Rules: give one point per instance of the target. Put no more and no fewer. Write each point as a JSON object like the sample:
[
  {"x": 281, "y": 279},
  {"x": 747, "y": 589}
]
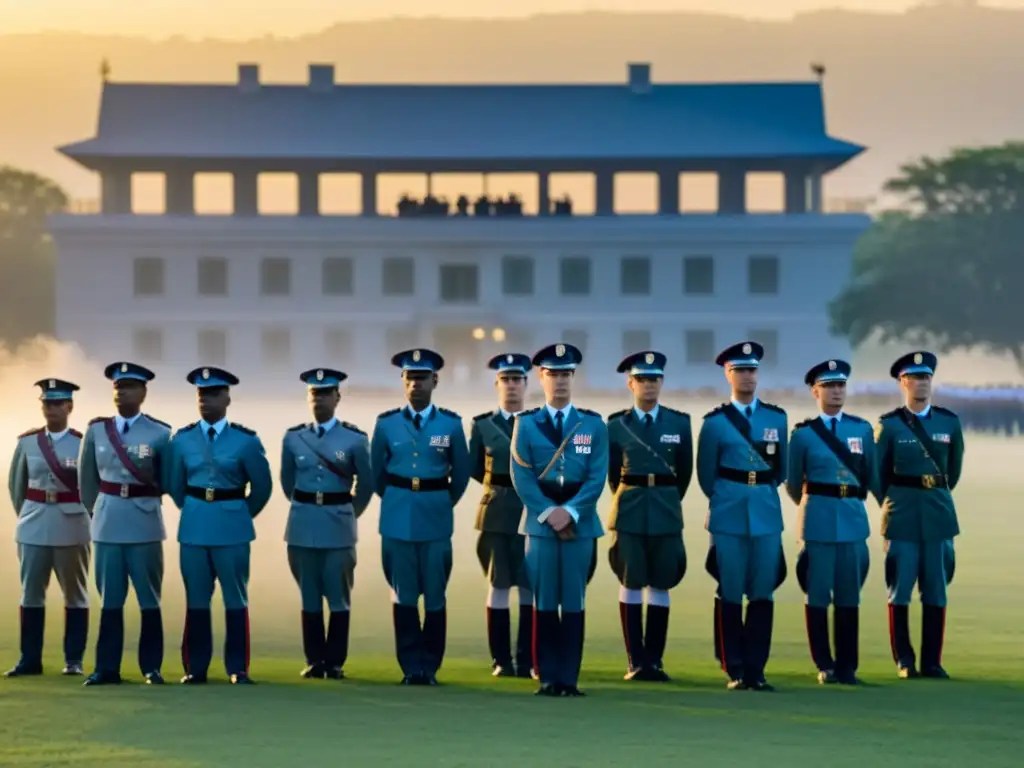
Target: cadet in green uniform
[
  {"x": 501, "y": 548},
  {"x": 921, "y": 453},
  {"x": 741, "y": 451},
  {"x": 420, "y": 464},
  {"x": 212, "y": 463},
  {"x": 322, "y": 463},
  {"x": 832, "y": 469},
  {"x": 650, "y": 465},
  {"x": 559, "y": 468},
  {"x": 52, "y": 530}
]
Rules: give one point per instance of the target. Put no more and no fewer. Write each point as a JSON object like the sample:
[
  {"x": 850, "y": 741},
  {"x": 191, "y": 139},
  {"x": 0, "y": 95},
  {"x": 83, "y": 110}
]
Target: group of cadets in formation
[{"x": 542, "y": 471}]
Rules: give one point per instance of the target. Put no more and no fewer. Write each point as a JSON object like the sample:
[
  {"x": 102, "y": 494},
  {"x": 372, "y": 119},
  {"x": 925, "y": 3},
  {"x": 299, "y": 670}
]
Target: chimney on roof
[
  {"x": 640, "y": 78},
  {"x": 249, "y": 77},
  {"x": 321, "y": 77}
]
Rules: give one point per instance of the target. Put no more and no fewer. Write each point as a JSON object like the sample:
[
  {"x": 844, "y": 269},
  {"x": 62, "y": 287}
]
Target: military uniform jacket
[
  {"x": 742, "y": 508},
  {"x": 919, "y": 513},
  {"x": 436, "y": 450},
  {"x": 490, "y": 453},
  {"x": 234, "y": 459},
  {"x": 663, "y": 450},
  {"x": 813, "y": 459},
  {"x": 338, "y": 462},
  {"x": 39, "y": 523},
  {"x": 541, "y": 464},
  {"x": 116, "y": 519}
]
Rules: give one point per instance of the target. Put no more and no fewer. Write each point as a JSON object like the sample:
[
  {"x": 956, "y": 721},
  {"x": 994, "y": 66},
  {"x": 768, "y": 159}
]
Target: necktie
[
  {"x": 127, "y": 426},
  {"x": 320, "y": 431},
  {"x": 749, "y": 411},
  {"x": 211, "y": 433},
  {"x": 558, "y": 424},
  {"x": 648, "y": 420},
  {"x": 834, "y": 420},
  {"x": 511, "y": 420},
  {"x": 417, "y": 420}
]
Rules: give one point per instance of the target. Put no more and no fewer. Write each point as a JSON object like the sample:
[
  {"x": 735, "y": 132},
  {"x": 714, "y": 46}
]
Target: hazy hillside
[{"x": 903, "y": 85}]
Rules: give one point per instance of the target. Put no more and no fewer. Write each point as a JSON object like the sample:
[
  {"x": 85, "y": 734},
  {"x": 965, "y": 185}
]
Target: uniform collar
[
  {"x": 426, "y": 413},
  {"x": 923, "y": 414},
  {"x": 55, "y": 436},
  {"x": 552, "y": 411},
  {"x": 507, "y": 414},
  {"x": 218, "y": 427},
  {"x": 826, "y": 418},
  {"x": 743, "y": 408},
  {"x": 120, "y": 421},
  {"x": 653, "y": 412},
  {"x": 327, "y": 425}
]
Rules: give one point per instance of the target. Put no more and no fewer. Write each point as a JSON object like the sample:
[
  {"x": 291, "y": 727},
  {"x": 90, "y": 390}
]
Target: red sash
[
  {"x": 66, "y": 475},
  {"x": 122, "y": 454}
]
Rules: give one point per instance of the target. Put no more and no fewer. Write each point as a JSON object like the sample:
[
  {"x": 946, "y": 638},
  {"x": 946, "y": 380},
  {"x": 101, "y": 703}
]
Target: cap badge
[
  {"x": 319, "y": 375},
  {"x": 831, "y": 365},
  {"x": 560, "y": 350},
  {"x": 510, "y": 359},
  {"x": 206, "y": 373},
  {"x": 918, "y": 358},
  {"x": 747, "y": 349},
  {"x": 649, "y": 358},
  {"x": 416, "y": 356},
  {"x": 124, "y": 367},
  {"x": 53, "y": 383}
]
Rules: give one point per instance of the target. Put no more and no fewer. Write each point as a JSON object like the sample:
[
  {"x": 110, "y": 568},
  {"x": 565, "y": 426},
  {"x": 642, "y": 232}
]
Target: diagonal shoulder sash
[
  {"x": 115, "y": 442},
  {"x": 68, "y": 477},
  {"x": 914, "y": 425},
  {"x": 643, "y": 444},
  {"x": 330, "y": 465},
  {"x": 742, "y": 425},
  {"x": 560, "y": 450},
  {"x": 840, "y": 449}
]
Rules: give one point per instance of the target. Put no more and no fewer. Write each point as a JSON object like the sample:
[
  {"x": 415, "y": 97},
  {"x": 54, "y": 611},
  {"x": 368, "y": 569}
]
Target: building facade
[{"x": 274, "y": 294}]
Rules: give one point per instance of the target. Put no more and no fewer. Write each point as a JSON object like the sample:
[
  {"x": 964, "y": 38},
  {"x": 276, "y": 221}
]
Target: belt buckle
[
  {"x": 124, "y": 492},
  {"x": 928, "y": 481},
  {"x": 51, "y": 497},
  {"x": 650, "y": 481},
  {"x": 210, "y": 493},
  {"x": 752, "y": 478},
  {"x": 843, "y": 489},
  {"x": 415, "y": 483},
  {"x": 319, "y": 498}
]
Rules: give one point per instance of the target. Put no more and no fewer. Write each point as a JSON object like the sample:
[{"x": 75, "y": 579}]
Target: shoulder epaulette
[
  {"x": 30, "y": 432},
  {"x": 158, "y": 421},
  {"x": 855, "y": 419},
  {"x": 772, "y": 407},
  {"x": 889, "y": 414},
  {"x": 714, "y": 411},
  {"x": 945, "y": 411},
  {"x": 448, "y": 412},
  {"x": 589, "y": 412},
  {"x": 618, "y": 414},
  {"x": 527, "y": 413},
  {"x": 99, "y": 420},
  {"x": 297, "y": 427},
  {"x": 75, "y": 432},
  {"x": 391, "y": 412},
  {"x": 804, "y": 423},
  {"x": 242, "y": 428},
  {"x": 481, "y": 416},
  {"x": 673, "y": 410},
  {"x": 353, "y": 427},
  {"x": 187, "y": 427}
]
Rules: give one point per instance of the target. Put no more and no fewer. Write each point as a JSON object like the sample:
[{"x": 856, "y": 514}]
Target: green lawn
[{"x": 472, "y": 720}]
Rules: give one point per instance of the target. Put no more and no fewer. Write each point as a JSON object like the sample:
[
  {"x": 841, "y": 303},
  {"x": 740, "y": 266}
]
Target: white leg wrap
[
  {"x": 657, "y": 597},
  {"x": 631, "y": 596},
  {"x": 497, "y": 598}
]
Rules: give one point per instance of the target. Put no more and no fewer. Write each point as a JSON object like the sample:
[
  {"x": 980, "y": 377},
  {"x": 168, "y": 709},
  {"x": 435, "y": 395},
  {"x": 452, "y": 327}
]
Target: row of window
[
  {"x": 459, "y": 283},
  {"x": 699, "y": 345}
]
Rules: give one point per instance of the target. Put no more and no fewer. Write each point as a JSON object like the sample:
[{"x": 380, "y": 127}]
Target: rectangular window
[
  {"x": 276, "y": 344},
  {"x": 212, "y": 347},
  {"x": 275, "y": 276},
  {"x": 636, "y": 340},
  {"x": 148, "y": 276},
  {"x": 338, "y": 346},
  {"x": 460, "y": 283},
  {"x": 699, "y": 275},
  {"x": 700, "y": 347},
  {"x": 763, "y": 275},
  {"x": 401, "y": 338},
  {"x": 769, "y": 339},
  {"x": 517, "y": 276},
  {"x": 635, "y": 276},
  {"x": 398, "y": 276},
  {"x": 578, "y": 338},
  {"x": 148, "y": 344},
  {"x": 337, "y": 276},
  {"x": 212, "y": 276},
  {"x": 574, "y": 276}
]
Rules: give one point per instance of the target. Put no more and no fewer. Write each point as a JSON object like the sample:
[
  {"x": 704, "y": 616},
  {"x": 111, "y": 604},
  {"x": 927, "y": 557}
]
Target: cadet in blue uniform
[
  {"x": 212, "y": 462},
  {"x": 559, "y": 468},
  {"x": 325, "y": 474},
  {"x": 741, "y": 453},
  {"x": 832, "y": 469},
  {"x": 122, "y": 473},
  {"x": 52, "y": 530},
  {"x": 501, "y": 548},
  {"x": 649, "y": 470},
  {"x": 921, "y": 453},
  {"x": 420, "y": 463}
]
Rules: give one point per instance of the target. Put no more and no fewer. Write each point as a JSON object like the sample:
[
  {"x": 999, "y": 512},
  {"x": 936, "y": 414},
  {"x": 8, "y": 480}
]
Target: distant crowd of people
[{"x": 482, "y": 206}]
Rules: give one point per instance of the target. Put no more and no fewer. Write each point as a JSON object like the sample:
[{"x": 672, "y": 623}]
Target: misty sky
[{"x": 243, "y": 18}]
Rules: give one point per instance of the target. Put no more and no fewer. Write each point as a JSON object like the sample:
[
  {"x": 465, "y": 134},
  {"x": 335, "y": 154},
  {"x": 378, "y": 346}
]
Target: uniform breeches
[
  {"x": 559, "y": 571},
  {"x": 140, "y": 564},
  {"x": 833, "y": 573},
  {"x": 323, "y": 574},
  {"x": 502, "y": 556},
  {"x": 69, "y": 564},
  {"x": 415, "y": 568},
  {"x": 747, "y": 566},
  {"x": 202, "y": 567},
  {"x": 648, "y": 561},
  {"x": 927, "y": 564}
]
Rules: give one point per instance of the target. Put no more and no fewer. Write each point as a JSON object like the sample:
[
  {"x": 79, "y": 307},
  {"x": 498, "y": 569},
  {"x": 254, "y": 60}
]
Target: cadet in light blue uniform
[
  {"x": 741, "y": 455},
  {"x": 212, "y": 462},
  {"x": 832, "y": 469},
  {"x": 52, "y": 531},
  {"x": 420, "y": 463},
  {"x": 559, "y": 468},
  {"x": 122, "y": 473},
  {"x": 325, "y": 474}
]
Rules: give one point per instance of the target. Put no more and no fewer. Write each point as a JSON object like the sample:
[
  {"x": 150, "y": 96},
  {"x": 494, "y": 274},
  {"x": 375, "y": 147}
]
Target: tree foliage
[
  {"x": 27, "y": 259},
  {"x": 945, "y": 268}
]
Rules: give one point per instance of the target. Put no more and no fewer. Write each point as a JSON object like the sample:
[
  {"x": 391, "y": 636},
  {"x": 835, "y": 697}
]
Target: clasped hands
[{"x": 562, "y": 523}]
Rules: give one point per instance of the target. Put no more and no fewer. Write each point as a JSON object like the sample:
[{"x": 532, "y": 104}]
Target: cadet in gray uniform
[
  {"x": 52, "y": 531},
  {"x": 421, "y": 469},
  {"x": 122, "y": 473},
  {"x": 500, "y": 547},
  {"x": 322, "y": 462},
  {"x": 212, "y": 462}
]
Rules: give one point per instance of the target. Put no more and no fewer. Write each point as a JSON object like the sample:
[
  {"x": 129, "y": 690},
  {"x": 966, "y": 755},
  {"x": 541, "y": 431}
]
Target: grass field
[{"x": 976, "y": 718}]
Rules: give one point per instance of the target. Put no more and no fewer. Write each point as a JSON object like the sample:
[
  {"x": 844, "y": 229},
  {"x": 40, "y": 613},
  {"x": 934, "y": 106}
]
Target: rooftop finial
[
  {"x": 819, "y": 70},
  {"x": 105, "y": 69}
]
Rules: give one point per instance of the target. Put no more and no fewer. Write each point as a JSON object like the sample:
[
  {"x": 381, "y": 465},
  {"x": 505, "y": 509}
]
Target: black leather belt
[
  {"x": 759, "y": 477},
  {"x": 130, "y": 490},
  {"x": 322, "y": 498},
  {"x": 499, "y": 481},
  {"x": 559, "y": 493},
  {"x": 215, "y": 494},
  {"x": 418, "y": 483},
  {"x": 648, "y": 481},
  {"x": 924, "y": 482},
  {"x": 836, "y": 491}
]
